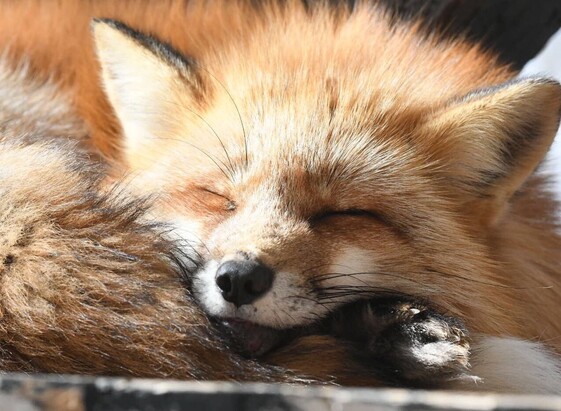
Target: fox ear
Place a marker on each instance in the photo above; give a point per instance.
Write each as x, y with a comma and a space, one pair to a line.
147, 83
494, 139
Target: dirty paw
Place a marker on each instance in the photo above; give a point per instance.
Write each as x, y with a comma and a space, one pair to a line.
408, 342
424, 347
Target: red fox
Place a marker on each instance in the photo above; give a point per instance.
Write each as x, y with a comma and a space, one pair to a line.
91, 285
312, 157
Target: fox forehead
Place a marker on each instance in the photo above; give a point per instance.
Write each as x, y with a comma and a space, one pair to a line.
304, 94
304, 161
312, 151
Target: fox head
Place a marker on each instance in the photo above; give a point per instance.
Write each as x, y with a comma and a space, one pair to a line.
315, 161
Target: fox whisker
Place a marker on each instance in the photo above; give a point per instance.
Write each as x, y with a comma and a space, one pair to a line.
218, 163
320, 278
485, 283
235, 106
230, 167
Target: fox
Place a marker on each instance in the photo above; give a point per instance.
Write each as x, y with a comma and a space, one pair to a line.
92, 285
327, 167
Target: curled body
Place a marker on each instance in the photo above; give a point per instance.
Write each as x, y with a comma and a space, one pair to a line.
312, 157
92, 284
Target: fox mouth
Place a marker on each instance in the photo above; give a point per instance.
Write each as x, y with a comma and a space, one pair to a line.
349, 321
254, 340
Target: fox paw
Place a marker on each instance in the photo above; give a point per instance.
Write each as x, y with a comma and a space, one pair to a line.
409, 342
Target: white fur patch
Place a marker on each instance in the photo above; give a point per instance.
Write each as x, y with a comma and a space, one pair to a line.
352, 267
142, 88
186, 234
187, 231
437, 353
514, 365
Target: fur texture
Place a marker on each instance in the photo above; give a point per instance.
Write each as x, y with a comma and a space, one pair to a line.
88, 287
91, 284
88, 284
353, 155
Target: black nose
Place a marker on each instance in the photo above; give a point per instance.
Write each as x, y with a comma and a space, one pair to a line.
243, 282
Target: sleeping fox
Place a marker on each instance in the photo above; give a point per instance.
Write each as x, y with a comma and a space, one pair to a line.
91, 285
326, 163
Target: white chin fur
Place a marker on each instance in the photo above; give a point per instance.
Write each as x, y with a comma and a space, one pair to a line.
281, 307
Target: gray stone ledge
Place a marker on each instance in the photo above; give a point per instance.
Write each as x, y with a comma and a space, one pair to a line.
74, 393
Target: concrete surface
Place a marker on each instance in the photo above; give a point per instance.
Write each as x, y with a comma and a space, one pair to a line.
70, 393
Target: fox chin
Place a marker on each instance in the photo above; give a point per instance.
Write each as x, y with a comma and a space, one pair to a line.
328, 166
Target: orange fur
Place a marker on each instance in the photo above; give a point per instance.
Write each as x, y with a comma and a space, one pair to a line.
339, 110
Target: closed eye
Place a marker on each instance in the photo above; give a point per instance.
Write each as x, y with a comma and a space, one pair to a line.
230, 205
350, 212
208, 190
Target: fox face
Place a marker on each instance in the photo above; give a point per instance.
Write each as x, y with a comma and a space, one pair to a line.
305, 169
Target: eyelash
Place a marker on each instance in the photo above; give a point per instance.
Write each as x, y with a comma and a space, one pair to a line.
230, 204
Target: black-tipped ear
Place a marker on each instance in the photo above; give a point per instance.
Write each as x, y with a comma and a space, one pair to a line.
146, 81
494, 139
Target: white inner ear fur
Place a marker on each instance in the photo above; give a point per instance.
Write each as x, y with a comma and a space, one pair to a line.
144, 90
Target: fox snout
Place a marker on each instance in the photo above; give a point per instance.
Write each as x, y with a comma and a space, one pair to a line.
243, 281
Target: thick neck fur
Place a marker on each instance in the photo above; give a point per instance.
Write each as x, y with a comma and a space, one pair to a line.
527, 242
